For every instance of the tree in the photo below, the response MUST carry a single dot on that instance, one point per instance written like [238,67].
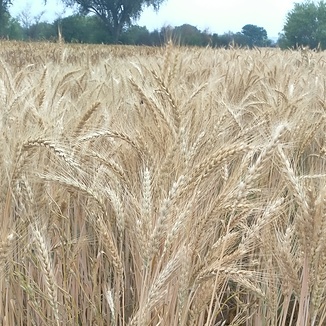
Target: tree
[12,29]
[28,22]
[9,27]
[83,29]
[42,31]
[305,25]
[4,16]
[187,34]
[156,38]
[256,36]
[136,35]
[115,14]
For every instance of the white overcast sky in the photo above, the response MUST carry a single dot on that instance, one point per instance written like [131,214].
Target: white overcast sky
[218,16]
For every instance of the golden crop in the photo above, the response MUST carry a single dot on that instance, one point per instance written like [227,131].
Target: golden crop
[161,186]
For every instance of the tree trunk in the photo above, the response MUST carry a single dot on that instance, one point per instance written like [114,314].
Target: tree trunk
[117,29]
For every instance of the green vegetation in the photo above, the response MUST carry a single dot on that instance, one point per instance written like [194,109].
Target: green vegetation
[112,21]
[305,26]
[91,29]
[115,14]
[83,29]
[4,17]
[255,36]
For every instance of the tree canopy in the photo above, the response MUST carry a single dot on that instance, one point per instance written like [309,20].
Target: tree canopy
[305,26]
[83,29]
[115,14]
[4,16]
[190,35]
[256,36]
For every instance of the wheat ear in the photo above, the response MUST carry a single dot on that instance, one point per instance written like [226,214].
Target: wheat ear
[86,117]
[47,269]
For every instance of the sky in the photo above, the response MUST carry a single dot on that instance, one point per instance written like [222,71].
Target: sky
[217,16]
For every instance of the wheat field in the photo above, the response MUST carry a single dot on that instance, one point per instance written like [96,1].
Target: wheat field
[162,186]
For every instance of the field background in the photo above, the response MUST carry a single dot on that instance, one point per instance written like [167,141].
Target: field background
[162,186]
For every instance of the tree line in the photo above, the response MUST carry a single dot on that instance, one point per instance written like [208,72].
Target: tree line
[89,29]
[113,21]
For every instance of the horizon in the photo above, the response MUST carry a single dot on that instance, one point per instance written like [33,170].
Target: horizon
[219,18]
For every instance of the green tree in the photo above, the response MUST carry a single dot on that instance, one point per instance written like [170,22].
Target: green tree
[190,35]
[305,25]
[136,35]
[42,31]
[241,40]
[83,29]
[256,36]
[115,14]
[4,16]
[222,41]
[156,38]
[30,24]
[229,39]
[11,29]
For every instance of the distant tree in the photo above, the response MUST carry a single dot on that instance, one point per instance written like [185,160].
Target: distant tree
[229,39]
[215,40]
[241,40]
[256,36]
[115,14]
[136,35]
[206,38]
[4,16]
[283,42]
[26,18]
[221,41]
[42,31]
[28,22]
[83,29]
[156,38]
[187,34]
[305,26]
[12,30]
[166,33]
